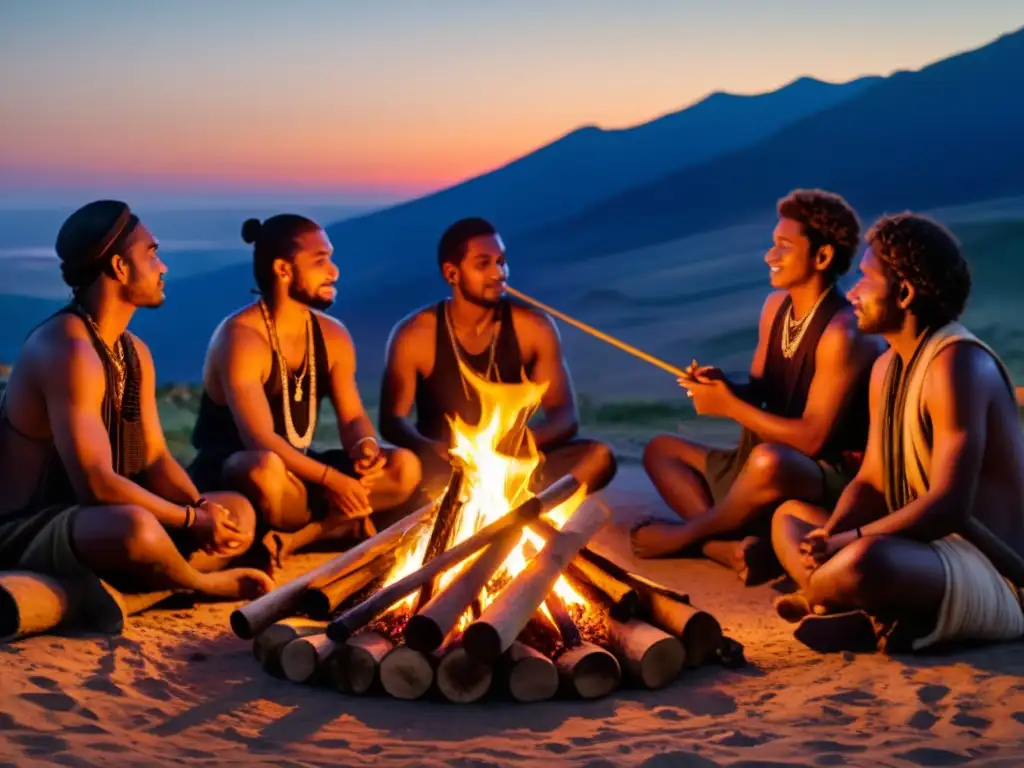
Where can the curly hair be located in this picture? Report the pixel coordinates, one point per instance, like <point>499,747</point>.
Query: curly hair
<point>451,249</point>
<point>926,255</point>
<point>827,219</point>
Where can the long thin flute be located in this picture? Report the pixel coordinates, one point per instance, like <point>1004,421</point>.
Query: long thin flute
<point>599,334</point>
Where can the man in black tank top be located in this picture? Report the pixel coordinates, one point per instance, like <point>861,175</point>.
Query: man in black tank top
<point>267,369</point>
<point>91,493</point>
<point>803,413</point>
<point>500,341</point>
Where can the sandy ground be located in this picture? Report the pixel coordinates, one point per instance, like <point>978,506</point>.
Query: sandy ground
<point>179,688</point>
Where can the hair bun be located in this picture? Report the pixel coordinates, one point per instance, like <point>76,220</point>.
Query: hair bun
<point>251,230</point>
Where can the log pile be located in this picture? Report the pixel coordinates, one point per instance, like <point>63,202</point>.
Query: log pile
<point>461,626</point>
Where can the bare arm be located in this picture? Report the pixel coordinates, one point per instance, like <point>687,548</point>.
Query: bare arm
<point>840,359</point>
<point>957,395</point>
<point>73,386</point>
<point>863,499</point>
<point>353,423</point>
<point>398,390</point>
<point>243,355</point>
<point>560,420</point>
<point>164,475</point>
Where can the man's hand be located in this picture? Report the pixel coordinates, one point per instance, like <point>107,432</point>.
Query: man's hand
<point>711,397</point>
<point>702,373</point>
<point>369,462</point>
<point>818,546</point>
<point>216,530</point>
<point>347,494</point>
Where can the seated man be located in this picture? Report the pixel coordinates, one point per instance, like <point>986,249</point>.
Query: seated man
<point>928,538</point>
<point>89,486</point>
<point>803,413</point>
<point>267,368</point>
<point>498,340</point>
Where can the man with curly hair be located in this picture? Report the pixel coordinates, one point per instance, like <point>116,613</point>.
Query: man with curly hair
<point>925,544</point>
<point>803,413</point>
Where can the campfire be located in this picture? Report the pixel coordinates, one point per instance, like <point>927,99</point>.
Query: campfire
<point>492,588</point>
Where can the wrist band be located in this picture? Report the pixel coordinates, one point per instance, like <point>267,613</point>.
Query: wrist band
<point>364,439</point>
<point>859,534</point>
<point>190,516</point>
<point>327,468</point>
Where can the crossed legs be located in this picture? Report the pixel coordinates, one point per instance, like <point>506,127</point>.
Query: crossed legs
<point>677,468</point>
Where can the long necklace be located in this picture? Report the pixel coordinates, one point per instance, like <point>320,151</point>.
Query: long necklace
<point>458,356</point>
<point>304,441</point>
<point>793,330</point>
<point>114,356</point>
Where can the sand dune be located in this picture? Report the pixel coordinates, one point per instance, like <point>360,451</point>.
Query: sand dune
<point>179,688</point>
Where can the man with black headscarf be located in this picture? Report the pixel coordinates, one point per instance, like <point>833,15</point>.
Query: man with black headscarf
<point>91,491</point>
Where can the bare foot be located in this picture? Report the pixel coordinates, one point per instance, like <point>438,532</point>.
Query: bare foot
<point>236,584</point>
<point>834,632</point>
<point>650,539</point>
<point>793,608</point>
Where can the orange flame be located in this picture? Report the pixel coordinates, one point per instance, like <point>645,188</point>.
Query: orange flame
<point>499,459</point>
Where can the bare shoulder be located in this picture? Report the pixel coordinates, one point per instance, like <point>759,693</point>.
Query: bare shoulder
<point>533,323</point>
<point>963,370</point>
<point>843,336</point>
<point>772,304</point>
<point>879,370</point>
<point>415,328</point>
<point>334,330</point>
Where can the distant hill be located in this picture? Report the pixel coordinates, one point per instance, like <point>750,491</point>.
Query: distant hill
<point>951,132</point>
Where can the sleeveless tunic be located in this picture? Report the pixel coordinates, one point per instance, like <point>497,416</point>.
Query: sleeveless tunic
<point>783,391</point>
<point>215,435</point>
<point>441,394</point>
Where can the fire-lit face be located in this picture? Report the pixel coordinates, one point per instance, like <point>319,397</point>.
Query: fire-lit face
<point>790,261</point>
<point>313,273</point>
<point>482,275</point>
<point>141,270</point>
<point>875,297</point>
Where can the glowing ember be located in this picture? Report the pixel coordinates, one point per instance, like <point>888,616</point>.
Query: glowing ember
<point>499,459</point>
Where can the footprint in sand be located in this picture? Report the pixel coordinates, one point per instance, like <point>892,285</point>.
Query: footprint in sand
<point>46,683</point>
<point>963,719</point>
<point>679,759</point>
<point>932,694</point>
<point>37,744</point>
<point>55,702</point>
<point>154,688</point>
<point>740,739</point>
<point>922,720</point>
<point>928,756</point>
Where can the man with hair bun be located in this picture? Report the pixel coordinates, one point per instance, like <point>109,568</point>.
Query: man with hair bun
<point>926,544</point>
<point>803,413</point>
<point>267,369</point>
<point>91,493</point>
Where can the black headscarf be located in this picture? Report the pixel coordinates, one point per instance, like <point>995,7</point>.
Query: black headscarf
<point>89,236</point>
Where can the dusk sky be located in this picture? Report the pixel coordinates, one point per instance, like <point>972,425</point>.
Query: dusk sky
<point>384,99</point>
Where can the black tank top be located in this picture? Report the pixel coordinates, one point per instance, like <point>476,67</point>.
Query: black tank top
<point>786,383</point>
<point>441,394</point>
<point>215,430</point>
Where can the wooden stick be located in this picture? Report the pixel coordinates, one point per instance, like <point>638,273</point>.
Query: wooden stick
<point>628,348</point>
<point>652,657</point>
<point>320,602</point>
<point>530,675</point>
<point>441,534</point>
<point>353,668</point>
<point>405,673</point>
<point>303,657</point>
<point>500,623</point>
<point>461,678</point>
<point>355,618</point>
<point>427,629</point>
<point>255,616</point>
<point>271,641</point>
<point>30,603</point>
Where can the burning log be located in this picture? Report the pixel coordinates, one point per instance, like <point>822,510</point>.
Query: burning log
<point>496,629</point>
<point>588,670</point>
<point>444,526</point>
<point>279,603</point>
<point>271,641</point>
<point>353,668</point>
<point>320,602</point>
<point>304,657</point>
<point>622,600</point>
<point>461,678</point>
<point>652,657</point>
<point>405,673</point>
<point>355,618</point>
<point>529,674</point>
<point>427,629</point>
